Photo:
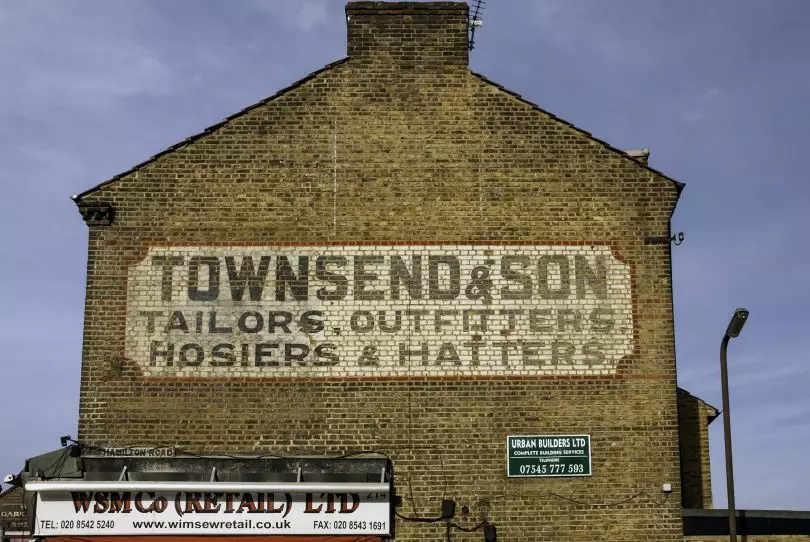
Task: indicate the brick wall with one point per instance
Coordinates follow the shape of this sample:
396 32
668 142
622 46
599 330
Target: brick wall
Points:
752 538
398 151
694 417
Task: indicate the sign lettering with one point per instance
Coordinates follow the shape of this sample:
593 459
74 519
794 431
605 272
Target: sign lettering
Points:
542 456
337 311
87 513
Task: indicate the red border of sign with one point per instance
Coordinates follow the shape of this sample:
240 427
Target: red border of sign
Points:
622 366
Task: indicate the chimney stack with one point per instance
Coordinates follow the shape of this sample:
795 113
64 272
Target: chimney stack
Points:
419 35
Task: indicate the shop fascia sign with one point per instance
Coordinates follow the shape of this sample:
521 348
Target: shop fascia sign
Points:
13 518
71 508
541 456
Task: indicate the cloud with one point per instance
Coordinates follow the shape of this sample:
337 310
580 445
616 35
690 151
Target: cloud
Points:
302 14
754 245
788 369
712 94
129 70
764 384
703 107
770 419
587 29
76 63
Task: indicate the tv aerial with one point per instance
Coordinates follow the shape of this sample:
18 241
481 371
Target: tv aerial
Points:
476 21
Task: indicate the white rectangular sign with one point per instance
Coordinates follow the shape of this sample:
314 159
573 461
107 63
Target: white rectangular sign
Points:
91 513
378 311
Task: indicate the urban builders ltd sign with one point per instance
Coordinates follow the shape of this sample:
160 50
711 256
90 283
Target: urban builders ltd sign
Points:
370 311
549 455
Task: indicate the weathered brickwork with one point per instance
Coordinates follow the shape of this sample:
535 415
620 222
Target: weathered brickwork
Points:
751 538
694 417
398 150
378 310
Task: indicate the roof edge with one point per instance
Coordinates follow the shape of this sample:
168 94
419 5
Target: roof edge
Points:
717 411
679 186
209 130
382 7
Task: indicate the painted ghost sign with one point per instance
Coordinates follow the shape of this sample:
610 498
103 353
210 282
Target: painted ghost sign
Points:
359 311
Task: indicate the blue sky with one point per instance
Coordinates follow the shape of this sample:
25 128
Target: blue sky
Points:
718 90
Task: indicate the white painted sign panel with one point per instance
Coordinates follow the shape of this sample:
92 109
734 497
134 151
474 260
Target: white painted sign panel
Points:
84 513
378 311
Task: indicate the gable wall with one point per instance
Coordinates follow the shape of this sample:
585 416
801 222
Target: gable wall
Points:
380 156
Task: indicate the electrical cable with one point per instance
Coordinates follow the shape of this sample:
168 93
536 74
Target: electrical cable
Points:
409 388
361 452
581 503
444 475
418 520
59 460
153 446
470 529
410 497
57 466
449 525
598 505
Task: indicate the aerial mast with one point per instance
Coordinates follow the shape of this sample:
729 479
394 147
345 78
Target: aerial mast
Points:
476 21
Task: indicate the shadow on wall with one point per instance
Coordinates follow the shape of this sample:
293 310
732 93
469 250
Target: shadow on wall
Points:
694 417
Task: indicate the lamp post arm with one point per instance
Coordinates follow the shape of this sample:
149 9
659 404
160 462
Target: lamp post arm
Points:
732 513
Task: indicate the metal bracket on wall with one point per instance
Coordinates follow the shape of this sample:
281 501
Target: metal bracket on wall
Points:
676 239
97 214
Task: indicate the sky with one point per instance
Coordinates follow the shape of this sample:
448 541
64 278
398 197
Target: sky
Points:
718 90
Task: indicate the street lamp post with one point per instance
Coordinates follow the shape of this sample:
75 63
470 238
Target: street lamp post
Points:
733 330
